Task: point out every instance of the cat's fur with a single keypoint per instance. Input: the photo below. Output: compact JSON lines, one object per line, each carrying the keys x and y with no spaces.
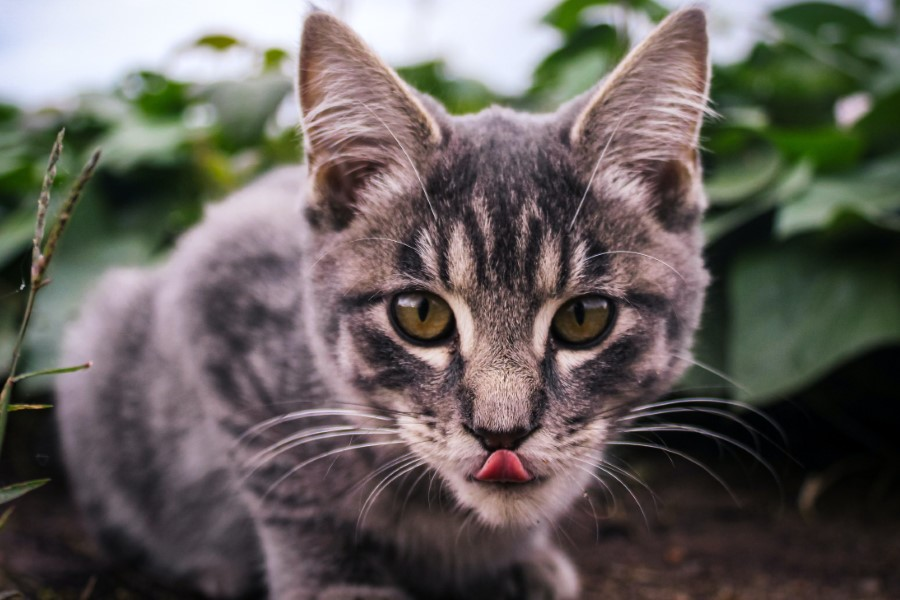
{"x":264,"y":310}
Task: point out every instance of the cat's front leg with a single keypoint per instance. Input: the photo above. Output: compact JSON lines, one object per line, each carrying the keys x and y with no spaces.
{"x":546,"y":574}
{"x":362,"y":592}
{"x":305,"y":560}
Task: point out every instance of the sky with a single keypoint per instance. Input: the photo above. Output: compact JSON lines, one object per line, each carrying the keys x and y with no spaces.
{"x":51,"y":49}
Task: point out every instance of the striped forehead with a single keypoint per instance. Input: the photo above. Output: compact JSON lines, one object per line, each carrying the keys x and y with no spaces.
{"x":525,"y":254}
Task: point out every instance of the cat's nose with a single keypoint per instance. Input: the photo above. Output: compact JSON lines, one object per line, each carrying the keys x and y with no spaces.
{"x":501,"y":440}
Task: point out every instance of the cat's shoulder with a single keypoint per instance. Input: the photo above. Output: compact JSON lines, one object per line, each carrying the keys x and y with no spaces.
{"x":244,"y":259}
{"x":255,"y":228}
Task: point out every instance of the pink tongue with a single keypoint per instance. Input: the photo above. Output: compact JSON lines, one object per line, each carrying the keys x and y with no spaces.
{"x":505,"y":466}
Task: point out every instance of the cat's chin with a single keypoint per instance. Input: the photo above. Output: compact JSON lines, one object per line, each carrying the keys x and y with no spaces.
{"x":515,"y":505}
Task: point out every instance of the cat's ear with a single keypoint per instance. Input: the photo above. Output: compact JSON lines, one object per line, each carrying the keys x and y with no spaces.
{"x":362,"y":125}
{"x":644,"y":119}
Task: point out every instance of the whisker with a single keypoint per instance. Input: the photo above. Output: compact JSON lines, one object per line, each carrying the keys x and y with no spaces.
{"x":684,"y":456}
{"x":662,"y":262}
{"x":261,"y":458}
{"x":373,"y":495}
{"x":714,"y":371}
{"x":406,"y":154}
{"x":755,"y":433}
{"x":325,"y":254}
{"x":412,"y":488}
{"x":675,"y":427}
{"x":309,"y":461}
{"x":305,"y":414}
{"x":720,"y":401}
{"x":408,"y":457}
{"x":618,"y":479}
{"x":609,"y":140}
{"x":604,"y":462}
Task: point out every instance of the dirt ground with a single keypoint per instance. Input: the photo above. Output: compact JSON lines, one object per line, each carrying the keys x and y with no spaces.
{"x":696,"y":542}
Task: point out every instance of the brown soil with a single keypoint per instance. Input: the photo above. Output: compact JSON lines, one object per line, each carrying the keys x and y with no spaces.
{"x":696,"y":542}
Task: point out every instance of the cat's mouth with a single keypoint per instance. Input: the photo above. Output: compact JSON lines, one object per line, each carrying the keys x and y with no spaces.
{"x":503,"y":466}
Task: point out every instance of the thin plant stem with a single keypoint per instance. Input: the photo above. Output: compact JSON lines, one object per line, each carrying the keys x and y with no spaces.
{"x":41,"y":255}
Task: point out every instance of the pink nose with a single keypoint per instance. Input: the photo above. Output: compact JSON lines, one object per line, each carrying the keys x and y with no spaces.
{"x":504,"y":466}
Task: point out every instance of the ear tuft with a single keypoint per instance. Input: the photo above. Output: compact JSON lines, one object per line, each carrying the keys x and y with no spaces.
{"x":362,"y":125}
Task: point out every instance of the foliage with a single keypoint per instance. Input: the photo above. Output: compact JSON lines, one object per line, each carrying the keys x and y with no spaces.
{"x":803,"y":170}
{"x":42,"y":253}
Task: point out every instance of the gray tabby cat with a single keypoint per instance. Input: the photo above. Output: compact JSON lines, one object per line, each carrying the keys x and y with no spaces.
{"x":397,"y":391}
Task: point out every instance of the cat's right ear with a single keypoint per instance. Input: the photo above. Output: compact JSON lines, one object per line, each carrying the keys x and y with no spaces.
{"x":363,"y":127}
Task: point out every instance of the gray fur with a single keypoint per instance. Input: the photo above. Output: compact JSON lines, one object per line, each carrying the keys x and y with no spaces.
{"x":267,"y":322}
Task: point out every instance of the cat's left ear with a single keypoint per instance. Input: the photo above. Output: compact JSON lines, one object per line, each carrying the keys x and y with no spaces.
{"x":644,"y":119}
{"x":363,"y":126}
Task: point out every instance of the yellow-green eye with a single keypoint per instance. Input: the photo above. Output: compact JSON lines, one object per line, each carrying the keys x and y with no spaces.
{"x":421,"y":317}
{"x":583,"y":320}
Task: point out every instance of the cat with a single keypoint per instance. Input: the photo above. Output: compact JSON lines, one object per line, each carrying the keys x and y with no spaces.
{"x":396,"y":390}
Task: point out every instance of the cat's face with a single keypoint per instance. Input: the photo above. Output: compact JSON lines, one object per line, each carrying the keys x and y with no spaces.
{"x":505,"y":285}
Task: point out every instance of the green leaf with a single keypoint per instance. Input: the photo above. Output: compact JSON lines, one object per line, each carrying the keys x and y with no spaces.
{"x":139,"y":141}
{"x":787,"y":186}
{"x":880,"y":127}
{"x":273,"y":58}
{"x":217,"y":42}
{"x":459,"y":96}
{"x":740,"y":178}
{"x":55,"y":371}
{"x":828,"y":148}
{"x":830,"y":21}
{"x":5,"y":517}
{"x":11,"y":492}
{"x":567,"y":16}
{"x":15,"y":407}
{"x":872,"y":194}
{"x":578,"y":64}
{"x":244,"y":107}
{"x":800,"y":309}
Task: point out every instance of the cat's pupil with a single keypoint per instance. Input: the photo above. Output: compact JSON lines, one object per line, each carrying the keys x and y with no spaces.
{"x":578,"y":310}
{"x":423,"y":309}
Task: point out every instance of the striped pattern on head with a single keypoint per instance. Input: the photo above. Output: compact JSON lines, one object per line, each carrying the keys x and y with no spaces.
{"x":506,"y":217}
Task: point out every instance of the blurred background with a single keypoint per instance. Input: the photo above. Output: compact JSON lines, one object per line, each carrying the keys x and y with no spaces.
{"x":190,"y":100}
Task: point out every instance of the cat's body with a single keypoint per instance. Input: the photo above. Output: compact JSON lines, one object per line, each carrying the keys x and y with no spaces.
{"x":426,"y":462}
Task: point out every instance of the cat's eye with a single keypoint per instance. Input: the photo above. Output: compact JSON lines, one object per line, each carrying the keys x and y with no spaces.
{"x":421,"y":317}
{"x":582,"y":321}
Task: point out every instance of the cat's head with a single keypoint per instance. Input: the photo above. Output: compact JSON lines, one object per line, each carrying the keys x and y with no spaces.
{"x":505,"y":284}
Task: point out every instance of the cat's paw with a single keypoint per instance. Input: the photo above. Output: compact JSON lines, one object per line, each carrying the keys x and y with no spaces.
{"x":362,"y":592}
{"x":548,"y":575}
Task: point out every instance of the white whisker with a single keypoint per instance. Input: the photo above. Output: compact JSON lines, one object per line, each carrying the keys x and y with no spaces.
{"x":318,"y":457}
{"x":662,"y":262}
{"x":304,"y":414}
{"x":295,"y":441}
{"x":596,"y":168}
{"x":406,"y":154}
{"x":683,"y":455}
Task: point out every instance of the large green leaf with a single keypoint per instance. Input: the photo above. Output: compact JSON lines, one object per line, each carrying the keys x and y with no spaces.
{"x":828,"y":148}
{"x":800,"y":309}
{"x":872,"y":194}
{"x":787,"y":185}
{"x":138,"y":141}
